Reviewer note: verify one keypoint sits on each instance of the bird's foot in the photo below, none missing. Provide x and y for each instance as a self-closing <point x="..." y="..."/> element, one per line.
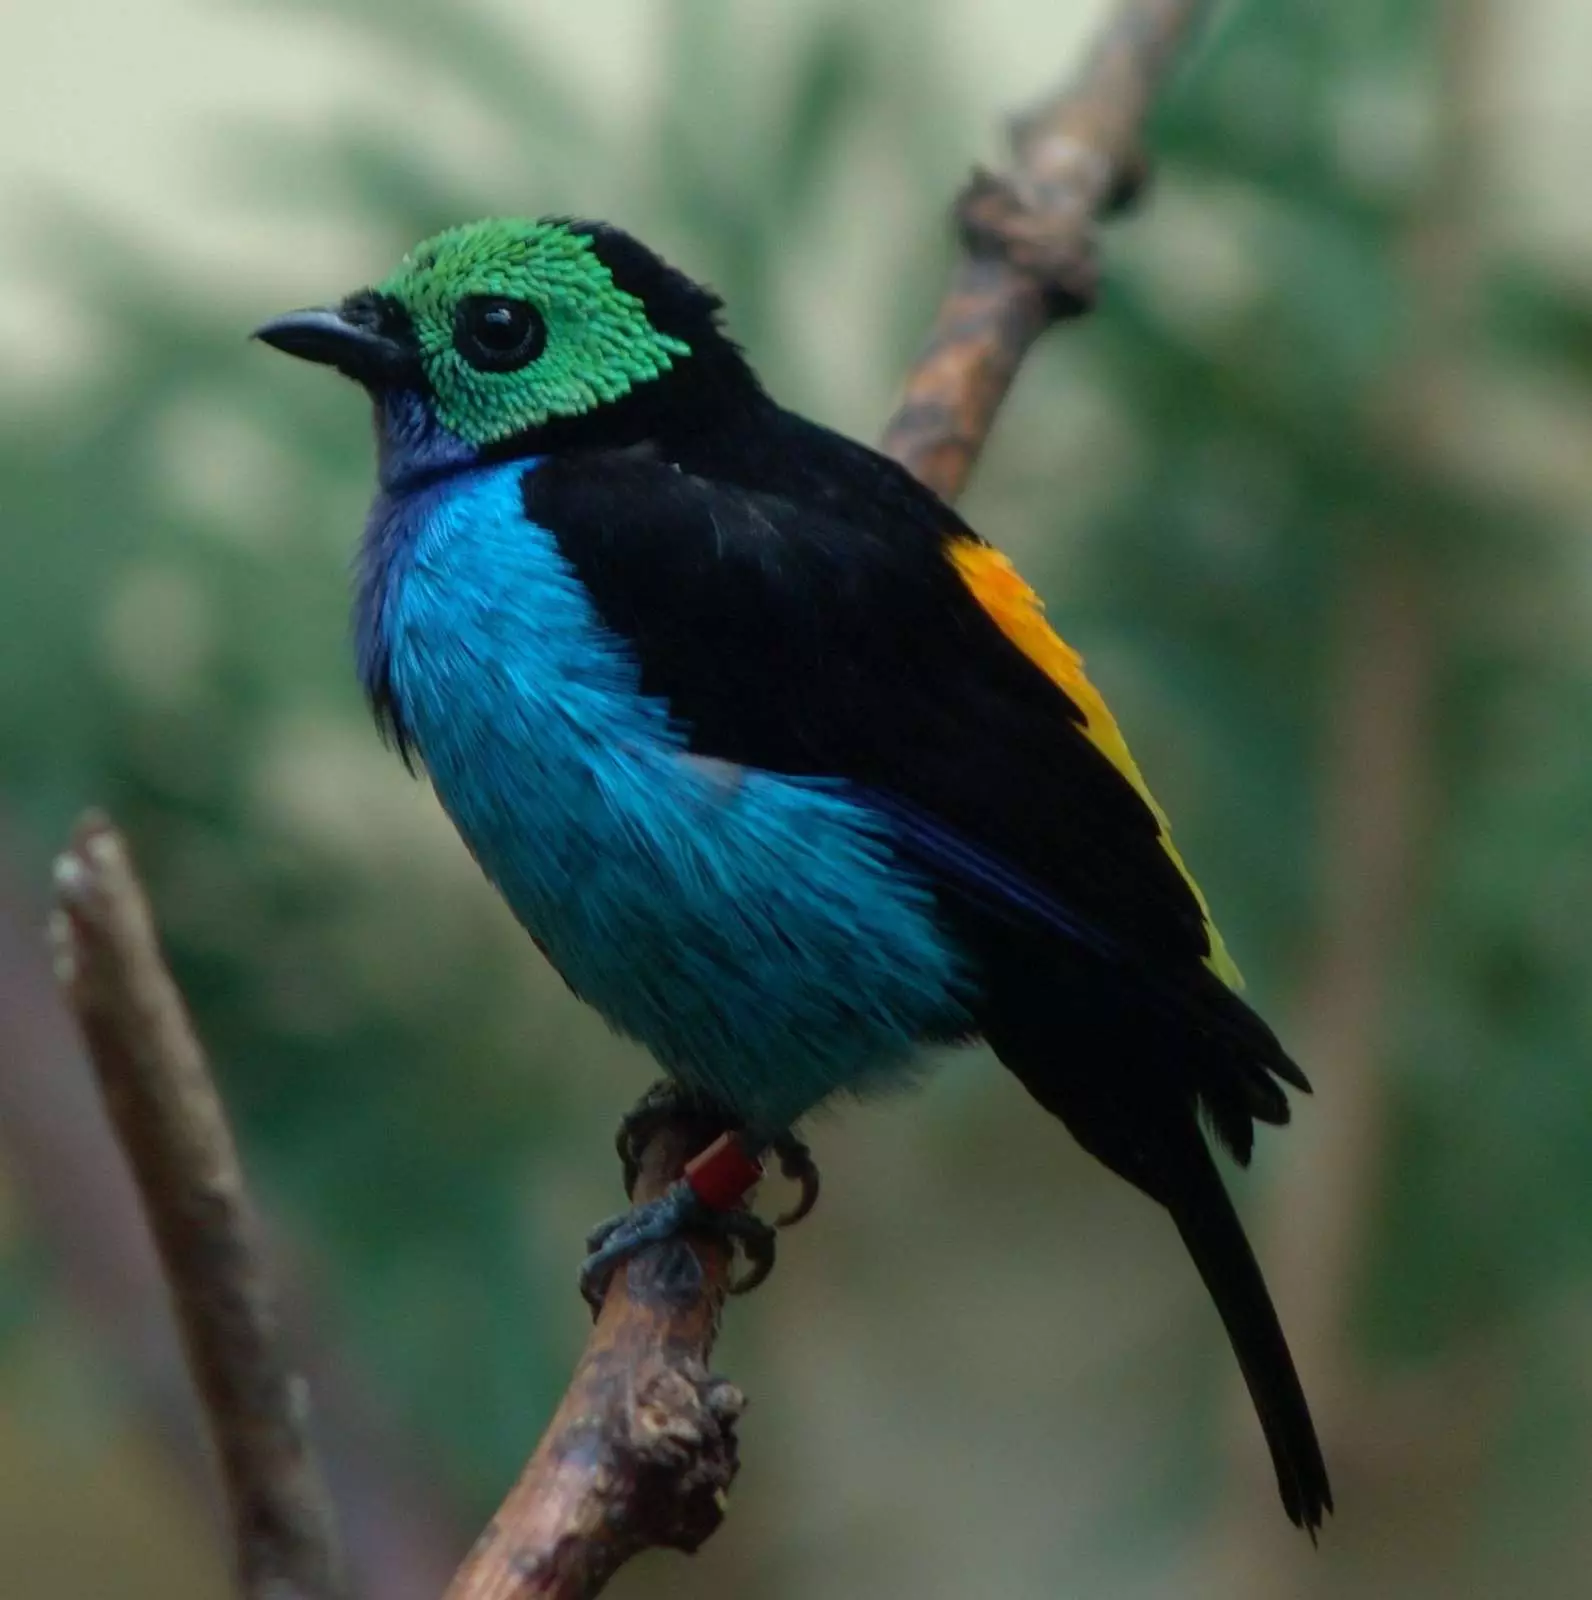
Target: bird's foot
<point x="667" y="1101"/>
<point x="705" y="1201"/>
<point x="677" y="1211"/>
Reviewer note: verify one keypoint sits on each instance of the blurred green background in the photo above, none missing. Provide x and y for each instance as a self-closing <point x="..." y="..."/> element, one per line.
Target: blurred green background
<point x="1314" y="494"/>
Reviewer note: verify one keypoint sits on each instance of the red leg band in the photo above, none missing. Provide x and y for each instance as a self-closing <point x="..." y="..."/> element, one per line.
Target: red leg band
<point x="722" y="1174"/>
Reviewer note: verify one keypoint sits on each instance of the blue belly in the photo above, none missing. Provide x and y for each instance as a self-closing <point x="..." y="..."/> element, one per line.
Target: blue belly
<point x="753" y="930"/>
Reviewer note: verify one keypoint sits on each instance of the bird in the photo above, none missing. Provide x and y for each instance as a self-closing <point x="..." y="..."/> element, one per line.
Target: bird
<point x="779" y="763"/>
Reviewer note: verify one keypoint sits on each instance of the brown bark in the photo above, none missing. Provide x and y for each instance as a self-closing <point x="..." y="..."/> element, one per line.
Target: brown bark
<point x="642" y="1451"/>
<point x="58" y="1146"/>
<point x="1028" y="236"/>
<point x="172" y="1128"/>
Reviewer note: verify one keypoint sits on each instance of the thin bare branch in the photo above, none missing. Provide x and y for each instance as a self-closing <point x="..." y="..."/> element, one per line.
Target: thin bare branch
<point x="172" y="1128"/>
<point x="1029" y="257"/>
<point x="401" y="1532"/>
<point x="642" y="1449"/>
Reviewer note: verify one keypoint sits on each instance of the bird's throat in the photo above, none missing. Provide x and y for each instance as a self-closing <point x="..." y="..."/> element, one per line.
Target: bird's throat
<point x="413" y="448"/>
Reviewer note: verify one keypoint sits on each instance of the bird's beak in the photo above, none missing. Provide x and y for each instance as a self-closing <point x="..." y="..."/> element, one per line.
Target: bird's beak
<point x="324" y="334"/>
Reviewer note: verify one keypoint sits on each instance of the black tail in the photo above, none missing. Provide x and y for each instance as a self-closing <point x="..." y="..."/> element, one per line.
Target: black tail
<point x="1132" y="1085"/>
<point x="1192" y="1190"/>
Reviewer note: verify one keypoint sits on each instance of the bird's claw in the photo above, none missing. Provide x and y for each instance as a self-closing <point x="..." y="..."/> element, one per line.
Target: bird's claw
<point x="796" y="1163"/>
<point x="756" y="1241"/>
<point x="677" y="1211"/>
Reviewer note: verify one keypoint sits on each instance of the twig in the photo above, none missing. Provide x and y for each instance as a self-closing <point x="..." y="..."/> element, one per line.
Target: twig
<point x="1028" y="237"/>
<point x="642" y="1451"/>
<point x="642" y="1448"/>
<point x="401" y="1533"/>
<point x="169" y="1120"/>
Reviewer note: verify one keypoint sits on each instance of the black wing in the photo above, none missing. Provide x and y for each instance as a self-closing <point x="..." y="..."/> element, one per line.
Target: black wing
<point x="790" y="595"/>
<point x="814" y="624"/>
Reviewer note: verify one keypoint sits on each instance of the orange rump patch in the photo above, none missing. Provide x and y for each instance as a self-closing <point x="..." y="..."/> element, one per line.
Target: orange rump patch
<point x="1020" y="613"/>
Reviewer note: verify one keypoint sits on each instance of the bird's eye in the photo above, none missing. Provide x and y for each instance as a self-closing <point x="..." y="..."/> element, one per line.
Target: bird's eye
<point x="496" y="334"/>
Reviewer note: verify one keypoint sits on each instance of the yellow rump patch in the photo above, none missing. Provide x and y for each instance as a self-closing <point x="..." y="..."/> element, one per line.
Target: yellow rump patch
<point x="999" y="587"/>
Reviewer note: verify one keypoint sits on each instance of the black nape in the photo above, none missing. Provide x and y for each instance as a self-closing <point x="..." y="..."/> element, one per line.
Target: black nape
<point x="676" y="304"/>
<point x="707" y="394"/>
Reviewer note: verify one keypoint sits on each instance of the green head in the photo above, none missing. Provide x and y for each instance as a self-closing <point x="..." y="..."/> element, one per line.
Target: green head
<point x="510" y="331"/>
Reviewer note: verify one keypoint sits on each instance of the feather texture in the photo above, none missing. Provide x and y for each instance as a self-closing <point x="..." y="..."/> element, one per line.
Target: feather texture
<point x="751" y="929"/>
<point x="1001" y="590"/>
<point x="780" y="764"/>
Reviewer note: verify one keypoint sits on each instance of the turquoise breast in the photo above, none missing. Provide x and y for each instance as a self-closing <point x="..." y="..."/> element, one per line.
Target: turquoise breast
<point x="754" y="931"/>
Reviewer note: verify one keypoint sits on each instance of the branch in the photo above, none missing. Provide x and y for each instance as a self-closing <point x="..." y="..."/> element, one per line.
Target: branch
<point x="643" y="1435"/>
<point x="1028" y="239"/>
<point x="401" y="1536"/>
<point x="642" y="1450"/>
<point x="173" y="1131"/>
